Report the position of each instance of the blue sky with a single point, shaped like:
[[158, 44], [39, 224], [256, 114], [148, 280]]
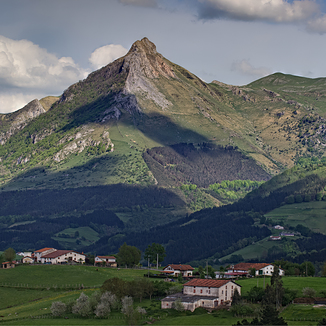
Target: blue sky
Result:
[[47, 45]]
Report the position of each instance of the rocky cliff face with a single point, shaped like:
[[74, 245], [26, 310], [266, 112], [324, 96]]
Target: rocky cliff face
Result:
[[12, 122], [143, 63]]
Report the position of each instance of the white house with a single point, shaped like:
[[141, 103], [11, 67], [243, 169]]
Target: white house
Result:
[[27, 260], [41, 252], [62, 257], [279, 227], [110, 261], [260, 268], [176, 269], [206, 293]]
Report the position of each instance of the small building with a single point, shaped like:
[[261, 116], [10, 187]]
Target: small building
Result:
[[206, 293], [287, 234], [275, 238], [109, 261], [63, 257], [27, 260], [177, 269], [9, 264], [279, 227], [260, 268]]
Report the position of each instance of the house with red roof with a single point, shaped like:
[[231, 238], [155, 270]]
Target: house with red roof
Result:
[[206, 293], [260, 269], [63, 257], [177, 269], [41, 252], [110, 261]]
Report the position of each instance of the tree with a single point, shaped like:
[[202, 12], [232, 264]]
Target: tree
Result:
[[236, 298], [307, 268], [82, 306], [106, 302], [128, 255], [129, 311], [116, 286], [309, 292], [274, 292], [58, 308], [9, 254], [153, 251]]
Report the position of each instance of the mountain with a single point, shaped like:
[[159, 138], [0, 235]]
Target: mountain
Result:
[[146, 140]]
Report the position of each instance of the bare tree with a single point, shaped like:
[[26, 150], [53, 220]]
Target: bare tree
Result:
[[82, 306]]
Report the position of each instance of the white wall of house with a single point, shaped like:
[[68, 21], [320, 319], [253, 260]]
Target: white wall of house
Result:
[[39, 255], [268, 271], [70, 256]]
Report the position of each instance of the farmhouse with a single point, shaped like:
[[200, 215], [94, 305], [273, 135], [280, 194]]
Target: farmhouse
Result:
[[176, 269], [260, 269], [206, 293], [38, 254], [63, 257], [110, 261]]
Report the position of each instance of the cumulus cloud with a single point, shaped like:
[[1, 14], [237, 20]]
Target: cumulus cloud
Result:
[[11, 101], [26, 65], [245, 68], [265, 10], [141, 3], [317, 25], [106, 54], [28, 70]]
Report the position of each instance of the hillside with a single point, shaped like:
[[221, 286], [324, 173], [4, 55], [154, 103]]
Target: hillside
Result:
[[149, 142]]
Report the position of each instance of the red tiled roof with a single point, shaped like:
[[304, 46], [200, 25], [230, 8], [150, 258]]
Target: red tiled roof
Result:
[[106, 257], [44, 249], [180, 267], [247, 266], [207, 283], [58, 253]]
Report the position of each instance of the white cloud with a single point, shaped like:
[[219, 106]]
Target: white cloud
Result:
[[141, 3], [245, 68], [27, 69], [265, 10], [26, 65], [106, 54], [10, 102], [317, 25]]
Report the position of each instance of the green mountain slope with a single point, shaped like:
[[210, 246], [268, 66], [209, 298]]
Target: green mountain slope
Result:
[[143, 121]]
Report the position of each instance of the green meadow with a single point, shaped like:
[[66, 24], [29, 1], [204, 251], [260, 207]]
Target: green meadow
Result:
[[309, 214], [27, 292]]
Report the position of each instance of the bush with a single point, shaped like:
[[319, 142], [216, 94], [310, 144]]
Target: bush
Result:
[[309, 292], [82, 306], [58, 308]]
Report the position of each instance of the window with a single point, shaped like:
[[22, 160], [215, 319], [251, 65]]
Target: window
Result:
[[222, 291], [201, 291]]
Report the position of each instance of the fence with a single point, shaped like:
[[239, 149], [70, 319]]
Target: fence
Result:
[[48, 286]]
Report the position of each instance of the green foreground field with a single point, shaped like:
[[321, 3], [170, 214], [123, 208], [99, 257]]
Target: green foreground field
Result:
[[27, 292]]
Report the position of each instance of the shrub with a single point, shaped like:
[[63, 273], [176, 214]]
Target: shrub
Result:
[[58, 308]]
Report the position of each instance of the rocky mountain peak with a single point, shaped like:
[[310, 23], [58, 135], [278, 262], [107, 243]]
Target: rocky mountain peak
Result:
[[143, 64]]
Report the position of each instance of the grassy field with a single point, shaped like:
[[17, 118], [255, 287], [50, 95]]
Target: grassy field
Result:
[[291, 282], [27, 291], [311, 215]]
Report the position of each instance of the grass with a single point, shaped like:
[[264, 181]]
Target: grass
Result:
[[49, 276], [256, 250], [88, 233], [291, 282], [18, 304], [310, 214]]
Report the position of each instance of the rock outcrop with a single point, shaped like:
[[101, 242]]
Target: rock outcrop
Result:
[[18, 120]]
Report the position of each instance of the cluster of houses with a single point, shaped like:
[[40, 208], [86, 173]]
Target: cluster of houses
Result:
[[211, 293], [56, 256], [282, 234]]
